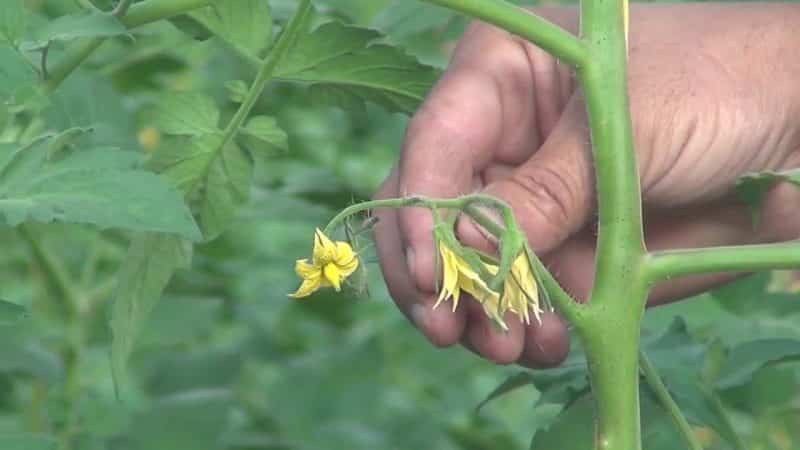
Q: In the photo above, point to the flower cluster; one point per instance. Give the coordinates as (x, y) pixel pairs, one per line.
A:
(520, 293)
(332, 262)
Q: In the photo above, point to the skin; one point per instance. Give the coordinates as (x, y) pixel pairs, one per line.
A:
(715, 93)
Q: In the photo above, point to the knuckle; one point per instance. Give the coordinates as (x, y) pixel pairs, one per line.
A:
(548, 194)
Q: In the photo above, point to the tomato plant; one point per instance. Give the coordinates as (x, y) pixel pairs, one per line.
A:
(187, 149)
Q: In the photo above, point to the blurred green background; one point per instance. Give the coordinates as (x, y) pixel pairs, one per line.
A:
(227, 361)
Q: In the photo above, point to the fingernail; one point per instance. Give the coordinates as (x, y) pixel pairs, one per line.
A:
(418, 315)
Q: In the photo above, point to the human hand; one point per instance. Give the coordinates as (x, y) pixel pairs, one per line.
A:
(715, 93)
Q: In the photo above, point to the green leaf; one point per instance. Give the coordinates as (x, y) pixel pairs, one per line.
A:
(346, 60)
(99, 186)
(237, 90)
(11, 313)
(27, 441)
(151, 261)
(752, 187)
(746, 359)
(75, 26)
(187, 113)
(20, 351)
(403, 18)
(13, 21)
(263, 137)
(193, 419)
(16, 75)
(511, 383)
(217, 179)
(246, 24)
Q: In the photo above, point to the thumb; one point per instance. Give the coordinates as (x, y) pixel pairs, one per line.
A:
(552, 193)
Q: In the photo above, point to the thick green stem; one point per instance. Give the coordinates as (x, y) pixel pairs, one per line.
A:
(612, 356)
(135, 16)
(620, 244)
(514, 19)
(675, 263)
(662, 393)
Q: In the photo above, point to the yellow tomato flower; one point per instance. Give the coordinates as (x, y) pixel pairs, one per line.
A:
(520, 290)
(331, 263)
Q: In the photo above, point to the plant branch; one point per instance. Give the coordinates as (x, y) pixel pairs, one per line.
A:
(264, 74)
(54, 272)
(135, 16)
(748, 258)
(121, 8)
(519, 21)
(662, 393)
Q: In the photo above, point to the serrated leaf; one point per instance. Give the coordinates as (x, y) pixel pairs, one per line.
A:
(246, 24)
(11, 313)
(347, 59)
(13, 21)
(75, 26)
(151, 261)
(28, 441)
(752, 187)
(187, 113)
(99, 186)
(263, 137)
(746, 359)
(217, 179)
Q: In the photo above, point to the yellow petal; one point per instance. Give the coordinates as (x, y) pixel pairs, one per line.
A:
(449, 277)
(305, 269)
(345, 258)
(324, 248)
(332, 273)
(308, 287)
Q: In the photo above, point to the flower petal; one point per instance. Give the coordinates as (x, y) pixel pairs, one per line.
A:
(308, 287)
(345, 258)
(324, 248)
(306, 270)
(332, 273)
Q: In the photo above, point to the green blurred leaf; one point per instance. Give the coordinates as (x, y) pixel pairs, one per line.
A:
(187, 113)
(512, 383)
(752, 187)
(346, 62)
(151, 261)
(20, 351)
(263, 137)
(17, 77)
(403, 18)
(746, 359)
(13, 21)
(216, 178)
(98, 186)
(189, 420)
(237, 90)
(11, 313)
(75, 26)
(27, 441)
(246, 24)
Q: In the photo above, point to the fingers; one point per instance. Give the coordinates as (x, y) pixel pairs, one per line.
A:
(481, 110)
(552, 193)
(441, 326)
